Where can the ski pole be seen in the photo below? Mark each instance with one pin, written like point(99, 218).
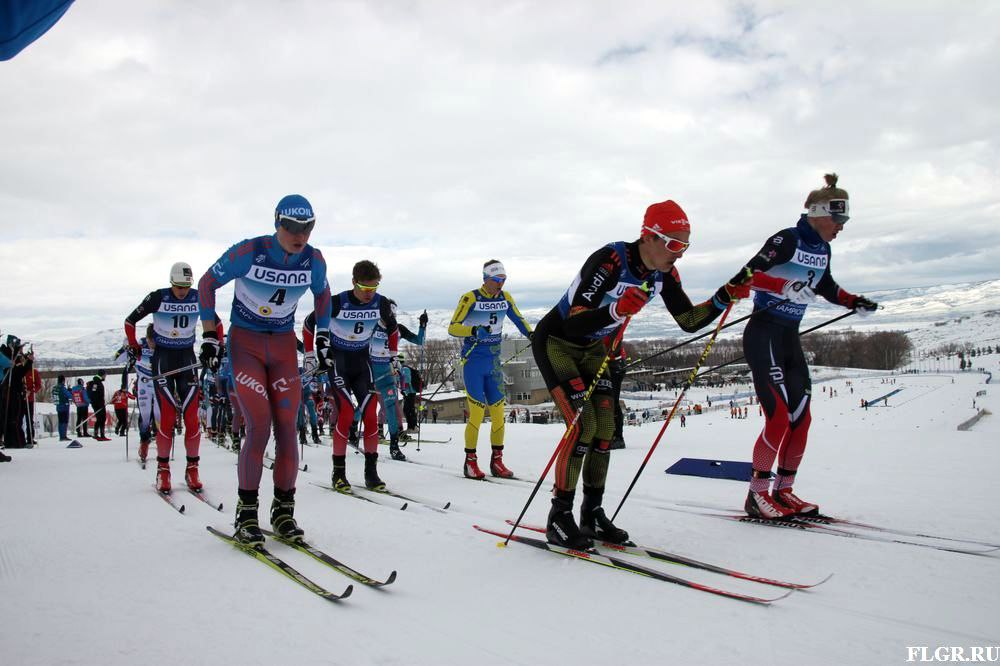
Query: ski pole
point(805, 332)
point(566, 438)
point(461, 363)
point(193, 366)
point(702, 335)
point(516, 354)
point(420, 395)
point(690, 380)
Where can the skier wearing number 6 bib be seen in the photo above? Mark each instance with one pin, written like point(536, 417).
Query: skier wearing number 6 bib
point(175, 313)
point(271, 273)
point(788, 273)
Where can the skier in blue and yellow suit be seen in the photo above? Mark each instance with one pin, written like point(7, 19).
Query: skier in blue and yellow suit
point(479, 319)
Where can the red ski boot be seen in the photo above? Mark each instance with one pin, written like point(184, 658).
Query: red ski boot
point(471, 468)
point(763, 505)
point(163, 475)
point(143, 451)
point(191, 475)
point(497, 468)
point(787, 498)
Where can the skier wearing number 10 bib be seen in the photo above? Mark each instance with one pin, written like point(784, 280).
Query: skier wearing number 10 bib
point(175, 313)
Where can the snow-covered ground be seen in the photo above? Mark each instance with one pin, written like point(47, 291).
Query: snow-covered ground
point(95, 569)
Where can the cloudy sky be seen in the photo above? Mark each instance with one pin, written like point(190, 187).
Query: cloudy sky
point(432, 136)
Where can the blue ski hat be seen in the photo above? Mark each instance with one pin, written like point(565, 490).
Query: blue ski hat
point(294, 207)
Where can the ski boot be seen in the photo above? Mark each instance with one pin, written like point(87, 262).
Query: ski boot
point(247, 528)
point(561, 529)
point(497, 468)
point(143, 451)
point(352, 436)
point(236, 442)
point(302, 435)
point(372, 482)
point(763, 505)
point(394, 451)
point(594, 523)
point(163, 475)
point(788, 499)
point(315, 435)
point(471, 469)
point(282, 515)
point(617, 442)
point(191, 474)
point(339, 478)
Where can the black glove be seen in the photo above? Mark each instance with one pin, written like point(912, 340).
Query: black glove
point(209, 356)
point(423, 319)
point(323, 351)
point(745, 276)
point(864, 306)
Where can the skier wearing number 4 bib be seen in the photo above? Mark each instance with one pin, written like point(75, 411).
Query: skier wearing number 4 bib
point(788, 272)
point(175, 313)
point(271, 274)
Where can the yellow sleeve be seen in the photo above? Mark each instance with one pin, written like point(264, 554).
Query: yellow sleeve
point(516, 316)
point(456, 327)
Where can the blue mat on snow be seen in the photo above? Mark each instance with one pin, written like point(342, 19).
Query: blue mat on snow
point(712, 469)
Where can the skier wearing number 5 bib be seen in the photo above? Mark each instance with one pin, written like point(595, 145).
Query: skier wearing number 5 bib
point(788, 273)
point(271, 273)
point(175, 313)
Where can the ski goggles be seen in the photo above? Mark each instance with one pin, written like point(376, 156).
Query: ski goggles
point(295, 225)
point(837, 209)
point(499, 279)
point(366, 287)
point(675, 245)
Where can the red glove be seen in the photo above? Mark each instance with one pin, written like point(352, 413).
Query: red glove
point(629, 303)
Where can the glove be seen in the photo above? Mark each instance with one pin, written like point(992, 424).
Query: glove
point(744, 277)
point(132, 353)
point(798, 292)
point(323, 351)
point(481, 332)
point(396, 370)
point(629, 303)
point(864, 306)
point(731, 291)
point(310, 364)
point(423, 319)
point(209, 356)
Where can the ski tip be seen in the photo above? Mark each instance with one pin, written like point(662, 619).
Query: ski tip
point(391, 579)
point(305, 468)
point(405, 504)
point(181, 510)
point(446, 505)
point(348, 592)
point(219, 508)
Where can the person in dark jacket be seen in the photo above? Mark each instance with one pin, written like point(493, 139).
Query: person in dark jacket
point(95, 392)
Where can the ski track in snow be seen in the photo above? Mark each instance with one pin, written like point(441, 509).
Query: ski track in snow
point(86, 547)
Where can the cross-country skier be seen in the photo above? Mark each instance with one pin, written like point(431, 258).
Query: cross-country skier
point(354, 315)
point(479, 319)
point(271, 273)
point(149, 410)
point(175, 320)
point(794, 264)
point(615, 282)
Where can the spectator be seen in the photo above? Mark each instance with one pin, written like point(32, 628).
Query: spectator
point(12, 396)
point(434, 414)
point(32, 387)
point(82, 403)
point(61, 398)
point(120, 403)
point(95, 394)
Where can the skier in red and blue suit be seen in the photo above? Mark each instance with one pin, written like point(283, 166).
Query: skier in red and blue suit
point(271, 274)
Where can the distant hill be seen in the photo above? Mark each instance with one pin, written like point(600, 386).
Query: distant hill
point(930, 316)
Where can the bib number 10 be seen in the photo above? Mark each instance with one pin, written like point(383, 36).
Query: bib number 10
point(180, 321)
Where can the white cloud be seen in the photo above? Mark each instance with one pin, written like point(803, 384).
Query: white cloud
point(431, 136)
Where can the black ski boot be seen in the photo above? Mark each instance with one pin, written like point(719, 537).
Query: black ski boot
point(315, 435)
point(302, 435)
point(339, 479)
point(283, 515)
point(595, 523)
point(394, 451)
point(247, 528)
point(617, 442)
point(372, 482)
point(561, 528)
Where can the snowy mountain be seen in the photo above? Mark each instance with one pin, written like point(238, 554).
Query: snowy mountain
point(930, 315)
